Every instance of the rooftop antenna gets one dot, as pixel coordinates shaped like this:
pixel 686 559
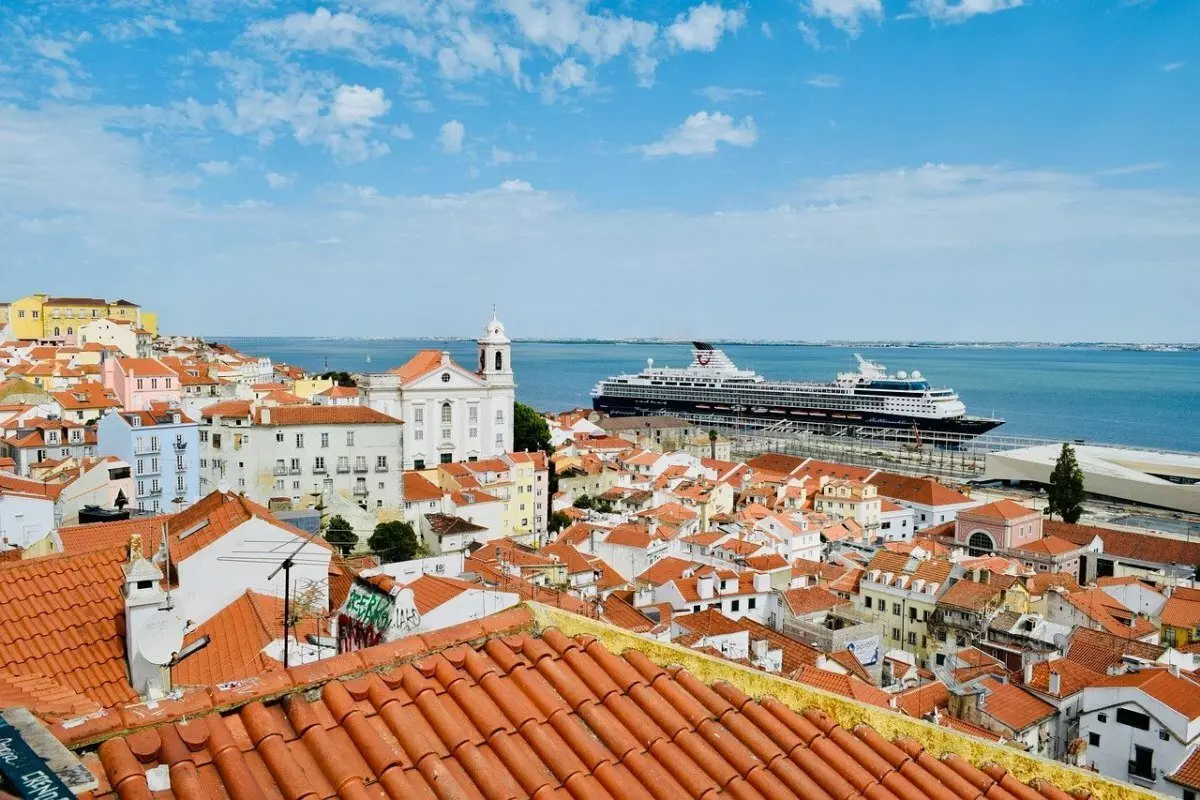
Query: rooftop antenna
pixel 286 566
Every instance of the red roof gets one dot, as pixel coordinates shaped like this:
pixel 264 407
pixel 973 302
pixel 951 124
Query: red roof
pixel 1126 544
pixel 517 716
pixel 1098 650
pixel 1012 706
pixel 419 489
pixel 1051 545
pixel 1001 509
pixel 422 363
pixel 321 415
pixel 811 600
pixel 145 367
pixel 922 700
pixel 925 491
pixel 1182 609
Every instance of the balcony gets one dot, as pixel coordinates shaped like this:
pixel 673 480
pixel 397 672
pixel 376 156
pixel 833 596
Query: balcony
pixel 343 468
pixel 319 470
pixel 381 468
pixel 360 468
pixel 146 450
pixel 180 446
pixel 1142 774
pixel 360 491
pixel 280 471
pixel 294 471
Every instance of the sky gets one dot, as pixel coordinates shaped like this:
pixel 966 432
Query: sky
pixel 811 169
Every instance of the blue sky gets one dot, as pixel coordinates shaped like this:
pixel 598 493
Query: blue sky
pixel 812 169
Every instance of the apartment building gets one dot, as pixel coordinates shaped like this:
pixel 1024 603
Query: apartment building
pixel 285 455
pixel 161 444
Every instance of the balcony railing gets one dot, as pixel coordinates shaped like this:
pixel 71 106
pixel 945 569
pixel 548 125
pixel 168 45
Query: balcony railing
pixel 381 468
pixel 319 470
pixel 360 491
pixel 146 450
pixel 294 470
pixel 360 468
pixel 343 468
pixel 281 471
pixel 1139 773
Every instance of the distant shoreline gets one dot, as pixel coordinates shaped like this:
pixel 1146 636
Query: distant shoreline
pixel 1152 347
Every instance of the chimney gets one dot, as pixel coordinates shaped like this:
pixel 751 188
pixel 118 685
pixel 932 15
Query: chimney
pixel 143 596
pixel 762 582
pixel 704 586
pixel 1055 683
pixel 1173 669
pixel 1028 674
pixel 265 415
pixel 822 661
pixel 759 648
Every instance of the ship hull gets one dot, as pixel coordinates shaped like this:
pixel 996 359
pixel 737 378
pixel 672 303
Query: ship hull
pixel 634 406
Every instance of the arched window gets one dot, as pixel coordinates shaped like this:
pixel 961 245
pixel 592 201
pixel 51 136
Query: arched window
pixel 56 332
pixel 70 331
pixel 446 413
pixel 980 544
pixel 499 361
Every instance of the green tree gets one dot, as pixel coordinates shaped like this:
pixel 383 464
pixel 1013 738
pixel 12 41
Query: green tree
pixel 530 430
pixel 583 501
pixel 558 521
pixel 712 444
pixel 394 541
pixel 340 378
pixel 1066 487
pixel 339 534
pixel 602 505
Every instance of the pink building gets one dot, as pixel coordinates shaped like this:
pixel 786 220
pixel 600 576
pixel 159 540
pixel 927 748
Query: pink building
pixel 139 382
pixel 998 526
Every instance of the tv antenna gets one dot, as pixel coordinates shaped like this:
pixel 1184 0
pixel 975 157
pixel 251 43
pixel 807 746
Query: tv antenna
pixel 286 566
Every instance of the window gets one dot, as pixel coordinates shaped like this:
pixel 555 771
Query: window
pixel 349 438
pixel 295 486
pixel 141 488
pixel 896 634
pixel 319 464
pixel 1164 734
pixel 980 544
pixel 1102 717
pixel 279 485
pixel 695 609
pixel 154 465
pixel 500 440
pixel 295 465
pixel 204 463
pixel 446 458
pixel 751 603
pixel 324 440
pixel 735 605
pixel 140 384
pixel 381 463
pixel 499 361
pixel 360 463
pixel 940 659
pixel 57 332
pixel 279 436
pixel 1134 719
pixel 912 613
pixel 141 466
pixel 1142 763
pixel 299 440
pixel 418 435
pixel 166 382
pixel 179 465
pixel 418 463
pixel 499 416
pixel 154 383
pixel 912 638
pixel 241 483
pixel 473 415
pixel 472 433
pixel 447 414
pixel 179 483
pixel 204 436
pixel 866 601
pixel 895 609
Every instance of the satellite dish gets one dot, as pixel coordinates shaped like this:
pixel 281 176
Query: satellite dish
pixel 1061 641
pixel 160 637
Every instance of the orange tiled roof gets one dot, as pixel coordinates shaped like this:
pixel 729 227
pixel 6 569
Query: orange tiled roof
pixel 145 367
pixel 322 415
pixel 845 685
pixel 62 617
pixel 521 715
pixel 1188 773
pixel 665 569
pixel 1001 509
pixel 925 491
pixel 969 595
pixel 1171 690
pixel 419 489
pixel 1126 544
pixel 1098 650
pixel 1072 675
pixel 423 362
pixel 49 699
pixel 922 700
pixel 1182 609
pixel 1051 545
pixel 1110 613
pixel 811 600
pixel 1012 706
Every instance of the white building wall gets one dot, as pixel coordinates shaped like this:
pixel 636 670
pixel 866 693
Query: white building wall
pixel 24 520
pixel 224 570
pixel 470 605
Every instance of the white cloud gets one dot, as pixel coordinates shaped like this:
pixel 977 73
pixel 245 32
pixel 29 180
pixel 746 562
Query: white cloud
pixel 53 49
pixel 724 94
pixel 471 51
pixel 703 26
pixel 358 105
pixel 1171 66
pixel 501 157
pixel 321 30
pixel 1135 169
pixel 145 27
pixel 86 201
pixel 402 131
pixel 451 136
pixel 766 30
pixel 810 35
pixel 566 26
pixel 824 81
pixel 567 74
pixel 279 181
pixel 961 10
pixel 216 167
pixel 700 134
pixel 846 15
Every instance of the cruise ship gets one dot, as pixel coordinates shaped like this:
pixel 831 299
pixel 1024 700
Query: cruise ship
pixel 713 386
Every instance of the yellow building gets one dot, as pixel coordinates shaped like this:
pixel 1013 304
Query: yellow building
pixel 26 316
pixel 39 316
pixel 3 314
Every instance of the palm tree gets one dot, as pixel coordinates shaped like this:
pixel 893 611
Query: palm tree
pixel 712 443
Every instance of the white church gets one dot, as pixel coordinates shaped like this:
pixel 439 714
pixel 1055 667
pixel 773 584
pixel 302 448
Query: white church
pixel 450 412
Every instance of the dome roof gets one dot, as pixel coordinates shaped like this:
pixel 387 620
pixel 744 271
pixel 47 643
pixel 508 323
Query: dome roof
pixel 493 333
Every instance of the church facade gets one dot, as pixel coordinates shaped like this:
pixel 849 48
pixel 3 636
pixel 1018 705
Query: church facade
pixel 451 412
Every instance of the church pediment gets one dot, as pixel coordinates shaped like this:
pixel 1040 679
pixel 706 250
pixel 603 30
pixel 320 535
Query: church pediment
pixel 444 377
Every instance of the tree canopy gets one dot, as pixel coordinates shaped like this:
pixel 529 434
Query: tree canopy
pixel 558 521
pixel 530 430
pixel 394 541
pixel 1066 493
pixel 340 378
pixel 339 533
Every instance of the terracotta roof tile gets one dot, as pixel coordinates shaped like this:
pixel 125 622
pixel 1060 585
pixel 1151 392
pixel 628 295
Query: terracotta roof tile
pixel 811 600
pixel 845 685
pixel 1012 706
pixel 1188 773
pixel 1171 690
pixel 1072 675
pixel 322 415
pixel 922 700
pixel 1182 609
pixel 1001 509
pixel 423 362
pixel 419 489
pixel 1098 650
pixel 1126 544
pixel 969 595
pixel 925 491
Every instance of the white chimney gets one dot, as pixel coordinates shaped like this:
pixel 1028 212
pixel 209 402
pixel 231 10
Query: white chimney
pixel 1028 673
pixel 1055 683
pixel 759 648
pixel 704 586
pixel 143 596
pixel 265 413
pixel 762 582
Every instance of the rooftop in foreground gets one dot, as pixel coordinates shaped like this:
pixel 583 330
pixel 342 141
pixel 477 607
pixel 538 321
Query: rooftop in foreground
pixel 537 702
